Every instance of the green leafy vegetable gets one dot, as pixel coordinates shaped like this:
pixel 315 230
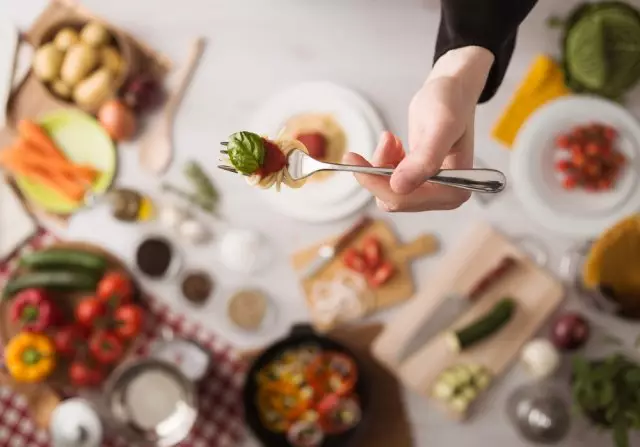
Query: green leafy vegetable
pixel 246 152
pixel 608 392
pixel 205 195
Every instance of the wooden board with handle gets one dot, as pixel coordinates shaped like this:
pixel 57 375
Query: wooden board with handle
pixel 399 288
pixel 536 292
pixel 31 100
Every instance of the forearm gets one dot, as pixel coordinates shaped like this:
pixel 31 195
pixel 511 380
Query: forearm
pixel 490 24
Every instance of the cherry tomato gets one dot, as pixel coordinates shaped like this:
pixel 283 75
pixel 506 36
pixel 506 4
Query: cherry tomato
pixel 128 321
pixel 105 347
pixel 89 311
pixel 69 339
pixel 569 182
pixel 83 374
pixel 354 260
pixel 563 165
pixel 115 288
pixel 563 141
pixel 610 133
pixel 578 159
pixel 593 149
pixel 372 252
pixel 381 275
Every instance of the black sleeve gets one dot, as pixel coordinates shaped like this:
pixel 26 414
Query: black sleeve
pixel 491 24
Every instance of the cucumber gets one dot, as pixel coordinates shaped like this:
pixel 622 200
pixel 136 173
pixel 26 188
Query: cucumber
pixel 64 259
pixel 69 281
pixel 485 326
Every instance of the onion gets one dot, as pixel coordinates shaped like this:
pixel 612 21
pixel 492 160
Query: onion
pixel 118 120
pixel 570 331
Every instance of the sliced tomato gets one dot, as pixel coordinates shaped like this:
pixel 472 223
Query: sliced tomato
pixel 381 275
pixel 372 252
pixel 563 141
pixel 354 260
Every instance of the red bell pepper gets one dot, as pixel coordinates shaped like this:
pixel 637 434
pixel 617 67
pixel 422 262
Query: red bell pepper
pixel 33 309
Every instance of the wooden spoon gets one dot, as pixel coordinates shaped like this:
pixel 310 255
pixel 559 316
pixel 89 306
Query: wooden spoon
pixel 156 147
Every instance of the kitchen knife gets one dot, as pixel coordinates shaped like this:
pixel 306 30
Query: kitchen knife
pixel 328 252
pixel 454 305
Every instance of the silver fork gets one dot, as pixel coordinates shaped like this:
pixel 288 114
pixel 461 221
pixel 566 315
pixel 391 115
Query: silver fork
pixel 301 165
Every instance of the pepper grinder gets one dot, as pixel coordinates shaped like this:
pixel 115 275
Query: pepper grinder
pixel 540 413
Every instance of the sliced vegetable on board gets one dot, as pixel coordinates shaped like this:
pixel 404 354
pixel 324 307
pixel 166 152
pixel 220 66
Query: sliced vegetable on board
pixel 459 386
pixel 484 326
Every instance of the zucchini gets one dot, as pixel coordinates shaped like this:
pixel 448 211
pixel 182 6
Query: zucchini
pixel 458 387
pixel 485 326
pixel 64 259
pixel 68 281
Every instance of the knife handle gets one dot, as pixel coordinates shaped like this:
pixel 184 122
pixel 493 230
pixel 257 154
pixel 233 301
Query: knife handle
pixel 352 232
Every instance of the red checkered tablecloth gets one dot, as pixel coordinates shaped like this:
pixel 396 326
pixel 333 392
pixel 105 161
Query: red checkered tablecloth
pixel 220 421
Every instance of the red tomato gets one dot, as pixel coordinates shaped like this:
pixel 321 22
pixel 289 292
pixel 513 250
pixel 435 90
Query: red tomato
pixel 610 133
pixel 82 374
pixel 115 288
pixel 69 339
pixel 89 311
pixel 372 252
pixel 563 165
pixel 592 168
pixel 105 347
pixel 381 275
pixel 128 321
pixel 578 159
pixel 563 141
pixel 593 149
pixel 569 182
pixel 354 260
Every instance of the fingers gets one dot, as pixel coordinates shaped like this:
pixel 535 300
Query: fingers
pixel 435 126
pixel 389 152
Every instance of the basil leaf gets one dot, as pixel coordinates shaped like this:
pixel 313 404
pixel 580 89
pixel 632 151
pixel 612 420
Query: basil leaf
pixel 246 152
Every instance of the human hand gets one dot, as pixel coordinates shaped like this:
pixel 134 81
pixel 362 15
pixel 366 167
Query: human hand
pixel 441 123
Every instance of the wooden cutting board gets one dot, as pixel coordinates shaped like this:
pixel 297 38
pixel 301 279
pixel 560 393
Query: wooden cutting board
pixel 399 288
pixel 536 291
pixel 31 100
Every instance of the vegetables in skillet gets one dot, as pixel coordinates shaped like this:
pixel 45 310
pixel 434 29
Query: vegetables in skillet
pixel 308 393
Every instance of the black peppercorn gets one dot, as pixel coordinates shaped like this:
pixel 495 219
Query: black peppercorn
pixel 154 256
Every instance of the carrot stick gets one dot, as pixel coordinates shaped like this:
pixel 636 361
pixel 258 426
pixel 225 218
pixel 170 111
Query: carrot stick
pixel 35 135
pixel 54 181
pixel 34 156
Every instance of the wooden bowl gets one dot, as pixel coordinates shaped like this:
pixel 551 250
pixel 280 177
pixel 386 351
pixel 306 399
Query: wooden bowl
pixel 66 303
pixel 120 42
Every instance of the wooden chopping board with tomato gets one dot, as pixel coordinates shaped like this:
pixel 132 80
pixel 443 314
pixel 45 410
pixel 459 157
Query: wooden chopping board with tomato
pixel 68 316
pixel 373 267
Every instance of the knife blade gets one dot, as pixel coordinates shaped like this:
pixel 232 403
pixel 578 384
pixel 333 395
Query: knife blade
pixel 455 304
pixel 327 252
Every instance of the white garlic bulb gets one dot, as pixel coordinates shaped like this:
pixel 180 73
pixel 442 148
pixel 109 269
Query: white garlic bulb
pixel 194 231
pixel 172 215
pixel 541 358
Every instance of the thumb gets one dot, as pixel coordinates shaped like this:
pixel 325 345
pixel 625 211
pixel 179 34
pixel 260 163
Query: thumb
pixel 430 144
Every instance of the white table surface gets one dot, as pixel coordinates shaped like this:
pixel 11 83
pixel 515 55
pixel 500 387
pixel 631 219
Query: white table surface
pixel 383 48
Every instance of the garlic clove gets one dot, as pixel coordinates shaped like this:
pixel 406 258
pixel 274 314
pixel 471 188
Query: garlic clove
pixel 172 215
pixel 194 231
pixel 541 358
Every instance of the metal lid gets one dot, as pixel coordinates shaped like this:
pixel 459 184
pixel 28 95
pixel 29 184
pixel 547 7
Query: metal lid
pixel 153 400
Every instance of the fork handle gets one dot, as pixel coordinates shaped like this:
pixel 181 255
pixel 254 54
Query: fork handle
pixel 477 180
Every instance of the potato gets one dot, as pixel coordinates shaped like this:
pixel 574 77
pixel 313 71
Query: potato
pixel 78 63
pixel 61 89
pixel 111 60
pixel 46 62
pixel 94 90
pixel 95 34
pixel 65 38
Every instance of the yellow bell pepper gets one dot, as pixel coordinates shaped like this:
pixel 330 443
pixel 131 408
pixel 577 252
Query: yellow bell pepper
pixel 30 357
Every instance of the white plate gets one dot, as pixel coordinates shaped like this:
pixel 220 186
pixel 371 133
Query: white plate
pixel 339 195
pixel 576 213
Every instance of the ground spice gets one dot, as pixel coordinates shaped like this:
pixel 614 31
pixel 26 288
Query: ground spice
pixel 154 256
pixel 197 287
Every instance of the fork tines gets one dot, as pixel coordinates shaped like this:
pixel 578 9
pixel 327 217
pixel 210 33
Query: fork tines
pixel 226 167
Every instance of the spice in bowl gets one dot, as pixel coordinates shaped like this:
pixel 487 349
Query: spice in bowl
pixel 155 256
pixel 197 286
pixel 247 309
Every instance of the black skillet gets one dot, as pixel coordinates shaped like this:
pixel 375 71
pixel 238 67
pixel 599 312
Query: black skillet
pixel 301 335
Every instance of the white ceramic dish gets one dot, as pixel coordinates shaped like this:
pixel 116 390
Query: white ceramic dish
pixel 576 213
pixel 340 195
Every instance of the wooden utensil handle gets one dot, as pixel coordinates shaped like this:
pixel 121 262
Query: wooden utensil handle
pixel 423 245
pixel 185 76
